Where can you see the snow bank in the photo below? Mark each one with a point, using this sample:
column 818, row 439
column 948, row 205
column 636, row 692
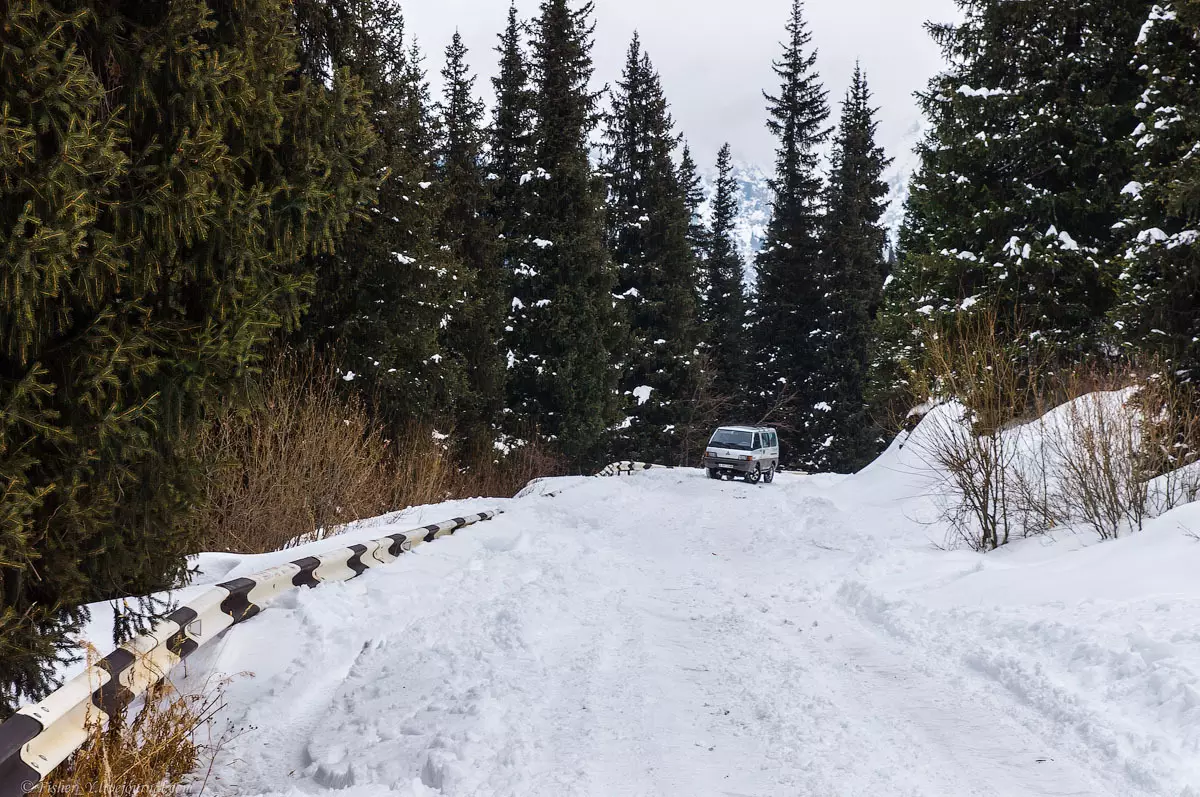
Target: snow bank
column 1099, row 639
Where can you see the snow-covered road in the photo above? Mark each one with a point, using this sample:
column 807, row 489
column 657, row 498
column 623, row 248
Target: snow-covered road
column 662, row 634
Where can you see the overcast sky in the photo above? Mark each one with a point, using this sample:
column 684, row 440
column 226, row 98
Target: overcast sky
column 715, row 55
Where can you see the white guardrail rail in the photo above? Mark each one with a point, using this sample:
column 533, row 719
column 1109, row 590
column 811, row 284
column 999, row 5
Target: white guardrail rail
column 41, row 736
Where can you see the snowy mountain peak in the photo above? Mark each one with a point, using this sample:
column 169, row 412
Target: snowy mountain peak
column 750, row 231
column 905, row 163
column 754, row 203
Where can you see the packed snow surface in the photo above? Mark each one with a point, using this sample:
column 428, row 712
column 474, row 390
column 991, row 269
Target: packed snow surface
column 664, row 634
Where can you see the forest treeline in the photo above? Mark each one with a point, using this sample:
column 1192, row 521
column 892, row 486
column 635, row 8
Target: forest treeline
column 188, row 189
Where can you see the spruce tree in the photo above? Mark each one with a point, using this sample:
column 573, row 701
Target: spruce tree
column 468, row 229
column 510, row 164
column 725, row 299
column 512, row 132
column 162, row 172
column 564, row 325
column 854, row 268
column 693, row 188
column 789, row 303
column 383, row 302
column 48, row 240
column 649, row 226
column 1160, row 282
column 1019, row 189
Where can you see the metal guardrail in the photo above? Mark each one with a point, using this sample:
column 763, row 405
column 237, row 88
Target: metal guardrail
column 627, row 468
column 41, row 736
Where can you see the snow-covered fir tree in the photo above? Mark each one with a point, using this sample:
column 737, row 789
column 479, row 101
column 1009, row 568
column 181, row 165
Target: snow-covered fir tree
column 385, row 298
column 165, row 168
column 1159, row 310
column 1022, row 171
column 693, row 188
column 475, row 335
column 788, row 308
column 564, row 326
column 511, row 153
column 724, row 309
column 852, row 274
column 510, row 162
column 754, row 212
column 649, row 233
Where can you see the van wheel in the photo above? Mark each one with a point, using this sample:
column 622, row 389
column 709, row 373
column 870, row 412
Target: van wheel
column 713, row 473
column 754, row 476
column 769, row 476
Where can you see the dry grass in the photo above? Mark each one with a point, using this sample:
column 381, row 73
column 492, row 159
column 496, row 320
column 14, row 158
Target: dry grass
column 997, row 379
column 1119, row 460
column 1170, row 440
column 1096, row 454
column 308, row 457
column 492, row 475
column 303, row 458
column 167, row 747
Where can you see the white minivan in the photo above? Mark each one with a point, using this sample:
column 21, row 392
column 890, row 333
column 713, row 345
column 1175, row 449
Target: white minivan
column 748, row 451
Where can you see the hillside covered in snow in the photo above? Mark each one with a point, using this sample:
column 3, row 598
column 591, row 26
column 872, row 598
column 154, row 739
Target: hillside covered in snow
column 663, row 634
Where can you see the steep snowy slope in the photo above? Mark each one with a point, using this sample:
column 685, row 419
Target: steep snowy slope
column 905, row 163
column 663, row 634
column 754, row 211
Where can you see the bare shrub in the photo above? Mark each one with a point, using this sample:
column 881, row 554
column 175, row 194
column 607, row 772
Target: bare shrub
column 1097, row 465
column 1170, row 449
column 979, row 466
column 1039, row 446
column 1080, row 459
column 996, row 383
column 708, row 407
column 1034, row 493
column 308, row 457
column 1127, row 447
column 304, row 457
column 160, row 750
column 503, row 474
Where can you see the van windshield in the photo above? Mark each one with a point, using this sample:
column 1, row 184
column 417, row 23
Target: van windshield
column 727, row 438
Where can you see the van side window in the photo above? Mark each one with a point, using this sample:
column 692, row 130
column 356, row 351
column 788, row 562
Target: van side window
column 774, row 439
column 757, row 442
